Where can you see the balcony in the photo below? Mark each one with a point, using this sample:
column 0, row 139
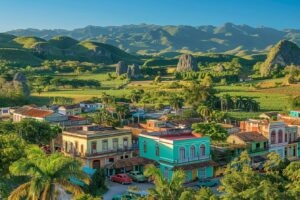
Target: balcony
column 100, row 153
column 192, row 159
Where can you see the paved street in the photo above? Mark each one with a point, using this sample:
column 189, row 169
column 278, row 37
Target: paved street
column 116, row 188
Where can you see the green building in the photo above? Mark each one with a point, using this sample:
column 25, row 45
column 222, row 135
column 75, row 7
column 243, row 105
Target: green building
column 180, row 149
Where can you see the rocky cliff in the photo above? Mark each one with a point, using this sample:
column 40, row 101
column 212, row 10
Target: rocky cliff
column 187, row 63
column 121, row 68
column 282, row 54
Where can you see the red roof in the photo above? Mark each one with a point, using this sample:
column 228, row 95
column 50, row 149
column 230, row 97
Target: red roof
column 34, row 112
column 76, row 118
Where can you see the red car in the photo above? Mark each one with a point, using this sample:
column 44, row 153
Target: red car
column 121, row 178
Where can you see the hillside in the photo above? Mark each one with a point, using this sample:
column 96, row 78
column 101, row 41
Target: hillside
column 31, row 50
column 237, row 39
column 281, row 55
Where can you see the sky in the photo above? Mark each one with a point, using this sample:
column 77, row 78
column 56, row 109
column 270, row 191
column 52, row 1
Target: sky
column 70, row 14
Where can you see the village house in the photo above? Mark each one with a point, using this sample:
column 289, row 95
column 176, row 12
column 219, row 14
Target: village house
column 5, row 112
column 37, row 114
column 254, row 143
column 180, row 149
column 89, row 106
column 68, row 110
column 277, row 133
column 101, row 147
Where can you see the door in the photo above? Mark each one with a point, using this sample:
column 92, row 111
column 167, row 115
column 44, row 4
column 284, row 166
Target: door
column 194, row 174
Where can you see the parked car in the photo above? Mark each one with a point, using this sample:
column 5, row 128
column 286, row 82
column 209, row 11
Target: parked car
column 208, row 182
column 137, row 176
column 130, row 195
column 121, row 178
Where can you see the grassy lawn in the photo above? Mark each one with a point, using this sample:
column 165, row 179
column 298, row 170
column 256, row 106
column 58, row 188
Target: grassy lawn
column 80, row 95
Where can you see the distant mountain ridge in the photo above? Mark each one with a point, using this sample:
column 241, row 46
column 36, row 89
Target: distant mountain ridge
column 32, row 50
column 146, row 38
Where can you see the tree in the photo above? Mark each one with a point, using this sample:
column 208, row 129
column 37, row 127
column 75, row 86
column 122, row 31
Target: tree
column 97, row 186
column 87, row 197
column 122, row 110
column 204, row 112
column 292, row 172
column 11, row 149
column 205, row 194
column 176, row 102
column 207, row 81
column 47, row 175
column 36, row 132
column 165, row 189
column 104, row 117
column 213, row 130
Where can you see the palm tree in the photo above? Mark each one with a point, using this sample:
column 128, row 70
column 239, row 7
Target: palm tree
column 204, row 112
column 176, row 103
column 48, row 175
column 166, row 189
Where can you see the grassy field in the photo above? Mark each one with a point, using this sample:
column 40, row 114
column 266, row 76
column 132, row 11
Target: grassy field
column 271, row 94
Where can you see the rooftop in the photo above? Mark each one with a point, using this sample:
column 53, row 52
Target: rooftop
column 92, row 131
column 251, row 136
column 33, row 112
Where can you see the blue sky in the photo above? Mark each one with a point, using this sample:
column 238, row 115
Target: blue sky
column 69, row 14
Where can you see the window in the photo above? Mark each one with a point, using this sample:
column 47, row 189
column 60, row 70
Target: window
column 166, row 173
column 115, row 143
column 81, row 148
column 76, row 146
column 202, row 150
column 104, row 145
column 202, row 174
column 273, row 137
column 265, row 145
column 94, row 147
column 125, row 143
column 182, row 153
column 156, row 150
column 285, row 137
column 257, row 145
column 145, row 147
column 280, row 136
column 126, row 156
column 111, row 160
column 193, row 151
column 66, row 146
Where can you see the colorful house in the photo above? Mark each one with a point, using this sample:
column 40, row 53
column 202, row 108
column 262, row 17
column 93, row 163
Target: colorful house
column 180, row 149
column 70, row 110
column 295, row 113
column 100, row 147
column 89, row 106
column 255, row 143
column 37, row 114
column 273, row 130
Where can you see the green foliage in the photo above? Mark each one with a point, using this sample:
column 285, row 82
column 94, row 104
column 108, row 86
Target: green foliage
column 105, row 118
column 45, row 173
column 36, row 132
column 97, row 185
column 213, row 130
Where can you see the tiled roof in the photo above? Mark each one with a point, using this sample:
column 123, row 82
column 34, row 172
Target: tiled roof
column 251, row 136
column 33, row 112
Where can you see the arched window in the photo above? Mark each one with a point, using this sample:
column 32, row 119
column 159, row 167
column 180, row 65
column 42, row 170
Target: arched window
column 145, row 147
column 280, row 136
column 273, row 137
column 182, row 153
column 202, row 150
column 156, row 150
column 193, row 151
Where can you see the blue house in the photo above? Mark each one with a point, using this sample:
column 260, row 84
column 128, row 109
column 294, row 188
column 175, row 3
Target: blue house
column 180, row 149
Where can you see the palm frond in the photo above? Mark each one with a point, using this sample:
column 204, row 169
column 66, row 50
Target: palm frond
column 20, row 192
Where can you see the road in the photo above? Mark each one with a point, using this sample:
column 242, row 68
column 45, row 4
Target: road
column 116, row 188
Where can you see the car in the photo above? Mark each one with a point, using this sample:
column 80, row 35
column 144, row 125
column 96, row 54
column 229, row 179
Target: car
column 130, row 195
column 137, row 176
column 121, row 178
column 208, row 182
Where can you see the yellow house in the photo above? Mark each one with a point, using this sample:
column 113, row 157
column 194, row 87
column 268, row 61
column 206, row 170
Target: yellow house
column 98, row 146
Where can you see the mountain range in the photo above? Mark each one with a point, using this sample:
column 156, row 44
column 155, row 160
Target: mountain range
column 147, row 38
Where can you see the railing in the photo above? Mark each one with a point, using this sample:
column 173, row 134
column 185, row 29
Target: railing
column 259, row 150
column 191, row 159
column 99, row 153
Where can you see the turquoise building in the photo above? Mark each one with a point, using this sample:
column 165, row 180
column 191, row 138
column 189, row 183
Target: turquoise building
column 180, row 149
column 295, row 113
